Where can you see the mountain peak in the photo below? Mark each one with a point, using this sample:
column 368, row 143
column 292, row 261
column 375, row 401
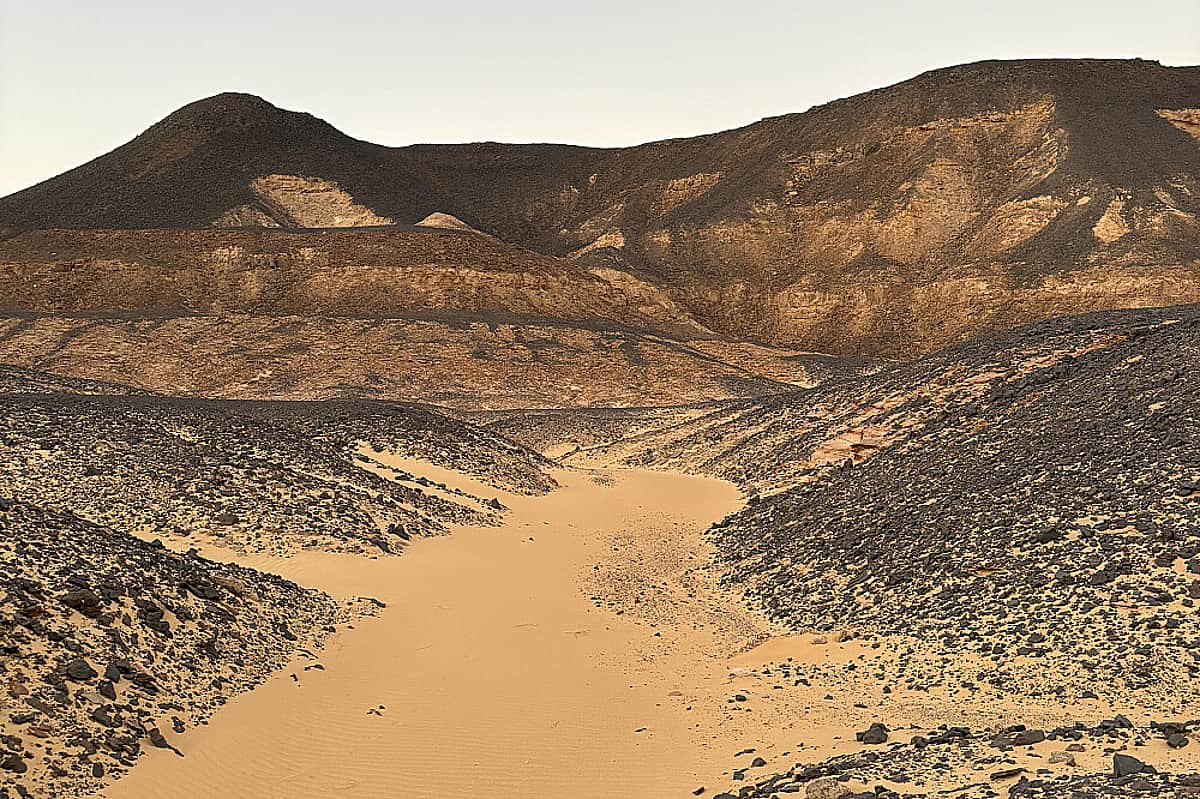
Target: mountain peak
column 223, row 111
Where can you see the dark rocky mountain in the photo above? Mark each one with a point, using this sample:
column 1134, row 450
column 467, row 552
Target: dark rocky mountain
column 894, row 222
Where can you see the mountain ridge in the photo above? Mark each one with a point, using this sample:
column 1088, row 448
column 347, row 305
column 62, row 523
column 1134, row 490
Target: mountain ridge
column 1014, row 190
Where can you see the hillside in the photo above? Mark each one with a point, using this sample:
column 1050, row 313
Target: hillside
column 967, row 199
column 1031, row 493
column 429, row 315
column 112, row 640
column 1006, row 527
column 458, row 361
column 356, row 273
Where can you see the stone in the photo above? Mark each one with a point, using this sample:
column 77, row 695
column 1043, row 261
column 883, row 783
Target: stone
column 80, row 670
column 1124, row 765
column 102, row 716
column 1062, row 758
column 826, row 788
column 875, row 734
column 14, row 763
column 83, row 600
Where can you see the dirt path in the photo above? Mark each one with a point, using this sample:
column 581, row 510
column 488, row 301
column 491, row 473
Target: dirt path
column 584, row 649
column 493, row 672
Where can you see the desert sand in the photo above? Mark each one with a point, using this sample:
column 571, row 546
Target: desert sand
column 490, row 672
column 582, row 649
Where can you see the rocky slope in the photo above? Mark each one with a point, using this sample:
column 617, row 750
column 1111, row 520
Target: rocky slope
column 1007, row 527
column 1072, row 761
column 360, row 273
column 111, row 641
column 458, row 361
column 431, row 315
column 261, row 476
column 894, row 222
column 112, row 644
column 1027, row 501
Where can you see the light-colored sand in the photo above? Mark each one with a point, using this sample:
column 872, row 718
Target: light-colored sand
column 496, row 674
column 386, row 465
column 583, row 649
column 448, row 221
column 312, row 202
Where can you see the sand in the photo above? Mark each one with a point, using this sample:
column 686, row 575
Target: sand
column 583, row 649
column 492, row 671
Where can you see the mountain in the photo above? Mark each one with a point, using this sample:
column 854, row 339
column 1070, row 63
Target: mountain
column 894, row 222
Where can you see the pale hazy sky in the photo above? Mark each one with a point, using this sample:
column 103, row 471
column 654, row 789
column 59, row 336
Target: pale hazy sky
column 79, row 78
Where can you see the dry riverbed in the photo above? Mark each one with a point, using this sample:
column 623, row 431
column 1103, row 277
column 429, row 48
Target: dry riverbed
column 584, row 649
column 578, row 650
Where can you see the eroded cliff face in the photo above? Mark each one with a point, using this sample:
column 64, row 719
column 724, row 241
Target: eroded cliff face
column 899, row 194
column 916, row 237
column 360, row 273
column 1186, row 119
column 462, row 362
column 884, row 225
column 296, row 201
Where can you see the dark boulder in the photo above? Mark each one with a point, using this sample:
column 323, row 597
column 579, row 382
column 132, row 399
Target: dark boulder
column 875, row 734
column 80, row 670
column 1125, row 765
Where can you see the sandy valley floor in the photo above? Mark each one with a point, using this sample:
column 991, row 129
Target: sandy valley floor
column 584, row 649
column 491, row 671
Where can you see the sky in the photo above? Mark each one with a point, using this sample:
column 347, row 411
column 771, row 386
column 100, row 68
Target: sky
column 80, row 78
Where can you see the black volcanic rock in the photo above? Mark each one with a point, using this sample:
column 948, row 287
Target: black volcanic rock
column 80, row 671
column 1124, row 765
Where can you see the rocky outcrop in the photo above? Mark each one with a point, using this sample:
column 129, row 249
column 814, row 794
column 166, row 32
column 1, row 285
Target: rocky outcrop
column 359, row 273
column 307, row 202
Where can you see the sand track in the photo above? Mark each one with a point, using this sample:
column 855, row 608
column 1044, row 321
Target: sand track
column 492, row 671
column 583, row 649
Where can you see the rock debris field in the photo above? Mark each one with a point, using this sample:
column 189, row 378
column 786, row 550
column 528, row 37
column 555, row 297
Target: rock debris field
column 1009, row 521
column 111, row 642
